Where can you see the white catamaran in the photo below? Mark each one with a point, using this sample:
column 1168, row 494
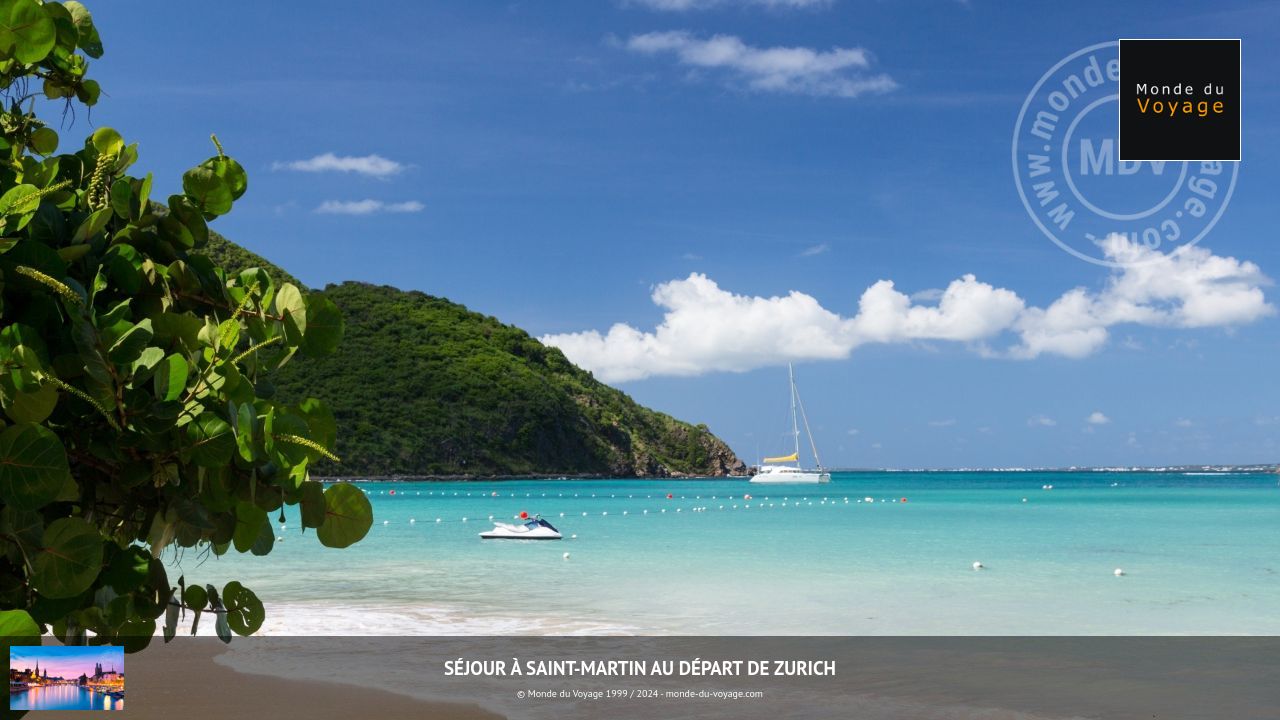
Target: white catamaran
column 774, row 469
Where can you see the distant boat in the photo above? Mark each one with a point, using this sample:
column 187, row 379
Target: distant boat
column 775, row 470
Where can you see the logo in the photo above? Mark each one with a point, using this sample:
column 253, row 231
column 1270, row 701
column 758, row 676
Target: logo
column 1069, row 175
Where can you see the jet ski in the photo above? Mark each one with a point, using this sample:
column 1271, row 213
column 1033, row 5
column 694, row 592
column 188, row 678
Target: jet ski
column 535, row 528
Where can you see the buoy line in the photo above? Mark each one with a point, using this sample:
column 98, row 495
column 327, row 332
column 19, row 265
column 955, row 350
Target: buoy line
column 747, row 502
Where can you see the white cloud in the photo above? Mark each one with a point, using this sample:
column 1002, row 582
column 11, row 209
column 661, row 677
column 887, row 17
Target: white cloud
column 1183, row 423
column 853, row 431
column 371, row 165
column 839, row 72
column 1041, row 421
column 367, row 207
column 942, row 423
column 815, row 250
column 684, row 5
column 708, row 329
column 1097, row 418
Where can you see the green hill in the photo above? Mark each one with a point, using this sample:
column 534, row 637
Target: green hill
column 424, row 386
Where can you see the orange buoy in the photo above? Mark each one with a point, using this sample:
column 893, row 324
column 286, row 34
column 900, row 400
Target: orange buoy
column 668, row 496
column 393, row 492
column 524, row 515
column 904, row 499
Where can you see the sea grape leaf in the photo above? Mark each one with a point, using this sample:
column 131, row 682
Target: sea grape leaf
column 324, row 326
column 213, row 439
column 33, row 466
column 347, row 516
column 244, row 610
column 17, row 628
column 27, row 34
column 70, row 559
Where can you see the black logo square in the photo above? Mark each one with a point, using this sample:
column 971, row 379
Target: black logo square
column 1180, row 100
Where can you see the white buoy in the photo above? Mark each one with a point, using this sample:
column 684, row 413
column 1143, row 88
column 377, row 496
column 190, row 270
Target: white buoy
column 977, row 565
column 566, row 556
column 279, row 538
column 437, row 519
column 573, row 537
column 464, row 519
column 386, row 522
column 412, row 521
column 1119, row 572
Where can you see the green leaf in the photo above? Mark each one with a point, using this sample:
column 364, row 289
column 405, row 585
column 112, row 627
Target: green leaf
column 231, row 172
column 44, row 141
column 312, row 504
column 26, row 32
column 244, row 610
column 32, row 406
column 128, row 570
column 107, row 142
column 195, row 598
column 290, row 304
column 209, row 192
column 135, row 635
column 88, row 40
column 324, row 326
column 347, row 516
column 33, row 466
column 322, row 426
column 17, row 628
column 213, row 440
column 19, row 205
column 246, row 420
column 250, row 520
column 121, row 196
column 129, row 346
column 171, row 377
column 71, row 558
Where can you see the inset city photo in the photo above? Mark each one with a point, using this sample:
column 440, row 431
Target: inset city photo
column 66, row 678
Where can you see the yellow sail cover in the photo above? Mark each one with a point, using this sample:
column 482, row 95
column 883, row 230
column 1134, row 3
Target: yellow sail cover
column 793, row 457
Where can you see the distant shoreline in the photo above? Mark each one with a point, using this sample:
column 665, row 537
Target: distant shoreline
column 1171, row 469
column 526, row 476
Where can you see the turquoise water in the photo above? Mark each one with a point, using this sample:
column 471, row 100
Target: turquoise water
column 1201, row 555
column 63, row 697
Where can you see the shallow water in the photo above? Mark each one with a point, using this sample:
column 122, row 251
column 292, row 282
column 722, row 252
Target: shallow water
column 1200, row 553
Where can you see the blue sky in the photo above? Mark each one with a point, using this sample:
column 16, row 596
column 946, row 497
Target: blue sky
column 553, row 163
column 66, row 662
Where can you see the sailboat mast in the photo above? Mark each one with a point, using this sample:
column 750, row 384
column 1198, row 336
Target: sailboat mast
column 795, row 429
column 812, row 445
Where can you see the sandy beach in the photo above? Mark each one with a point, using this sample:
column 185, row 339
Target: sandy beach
column 182, row 677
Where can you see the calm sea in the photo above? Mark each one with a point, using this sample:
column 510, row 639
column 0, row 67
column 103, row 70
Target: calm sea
column 867, row 554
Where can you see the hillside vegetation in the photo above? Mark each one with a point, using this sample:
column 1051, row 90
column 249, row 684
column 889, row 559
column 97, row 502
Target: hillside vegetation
column 423, row 386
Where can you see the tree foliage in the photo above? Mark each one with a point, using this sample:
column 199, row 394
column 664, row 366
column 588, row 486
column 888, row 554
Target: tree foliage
column 139, row 413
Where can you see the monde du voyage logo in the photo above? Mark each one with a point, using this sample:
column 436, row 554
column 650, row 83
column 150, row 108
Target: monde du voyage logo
column 1137, row 138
